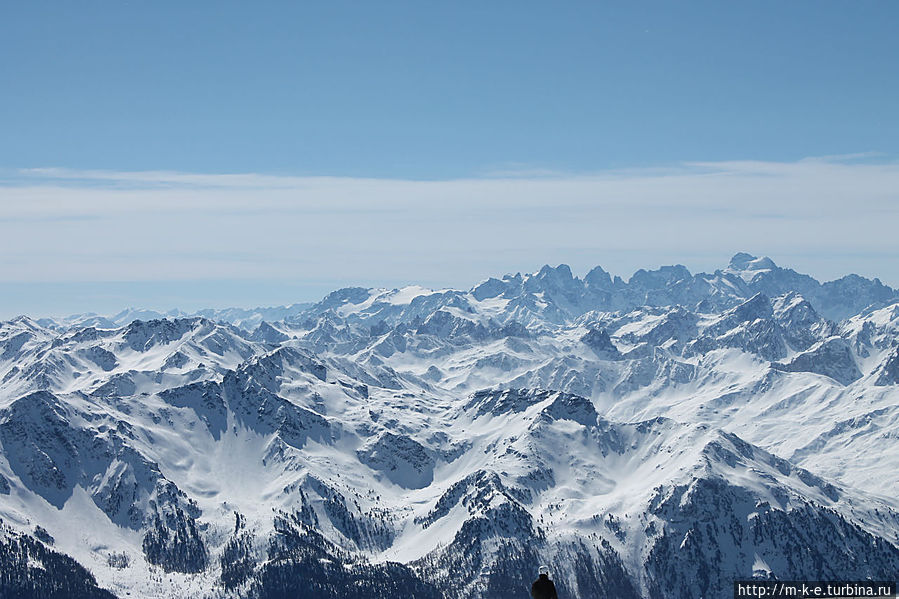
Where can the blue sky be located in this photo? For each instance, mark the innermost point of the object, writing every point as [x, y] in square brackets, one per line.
[461, 95]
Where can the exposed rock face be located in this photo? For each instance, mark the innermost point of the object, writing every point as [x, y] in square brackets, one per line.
[401, 459]
[889, 372]
[832, 357]
[599, 341]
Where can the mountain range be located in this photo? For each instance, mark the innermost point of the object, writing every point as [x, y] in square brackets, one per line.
[655, 437]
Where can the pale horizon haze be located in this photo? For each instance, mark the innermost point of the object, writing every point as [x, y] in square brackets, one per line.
[171, 156]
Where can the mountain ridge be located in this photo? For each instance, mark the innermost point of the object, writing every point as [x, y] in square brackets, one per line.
[751, 273]
[654, 437]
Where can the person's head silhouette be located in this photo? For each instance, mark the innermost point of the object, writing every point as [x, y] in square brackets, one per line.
[543, 587]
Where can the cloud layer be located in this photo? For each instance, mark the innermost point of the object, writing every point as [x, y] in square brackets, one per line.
[825, 216]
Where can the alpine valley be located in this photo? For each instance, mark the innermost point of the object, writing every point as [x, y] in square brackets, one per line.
[655, 437]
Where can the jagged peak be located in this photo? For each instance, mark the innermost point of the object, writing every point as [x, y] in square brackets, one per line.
[268, 333]
[352, 295]
[568, 406]
[168, 322]
[489, 288]
[598, 277]
[660, 277]
[792, 301]
[597, 338]
[746, 261]
[266, 368]
[24, 322]
[506, 401]
[22, 319]
[38, 408]
[562, 272]
[140, 335]
[758, 306]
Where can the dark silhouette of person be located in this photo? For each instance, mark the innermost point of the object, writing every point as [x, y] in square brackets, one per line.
[543, 588]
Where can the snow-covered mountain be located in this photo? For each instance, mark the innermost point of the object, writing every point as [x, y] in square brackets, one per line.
[656, 437]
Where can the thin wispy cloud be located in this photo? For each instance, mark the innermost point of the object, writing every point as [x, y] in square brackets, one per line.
[817, 214]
